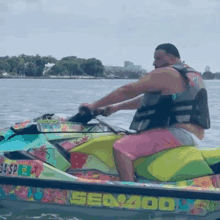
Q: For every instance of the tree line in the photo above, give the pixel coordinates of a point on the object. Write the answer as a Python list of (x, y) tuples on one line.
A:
[(210, 75), (34, 66)]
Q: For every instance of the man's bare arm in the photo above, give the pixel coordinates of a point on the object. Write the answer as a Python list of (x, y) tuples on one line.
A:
[(132, 104), (162, 79)]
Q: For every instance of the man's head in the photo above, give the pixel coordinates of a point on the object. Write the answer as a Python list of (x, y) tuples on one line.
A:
[(165, 55)]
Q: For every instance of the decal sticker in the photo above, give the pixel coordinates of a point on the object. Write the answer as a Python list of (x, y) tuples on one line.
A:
[(123, 201), (48, 121), (8, 169), (24, 170)]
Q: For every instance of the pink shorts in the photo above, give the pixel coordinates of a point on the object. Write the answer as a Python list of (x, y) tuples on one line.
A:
[(150, 142)]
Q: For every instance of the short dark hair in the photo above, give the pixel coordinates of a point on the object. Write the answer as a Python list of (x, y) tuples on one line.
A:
[(169, 48)]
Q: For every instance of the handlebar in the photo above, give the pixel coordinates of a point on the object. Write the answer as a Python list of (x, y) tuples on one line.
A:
[(85, 115), (85, 110)]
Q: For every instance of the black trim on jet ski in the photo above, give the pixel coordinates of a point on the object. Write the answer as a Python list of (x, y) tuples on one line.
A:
[(151, 190)]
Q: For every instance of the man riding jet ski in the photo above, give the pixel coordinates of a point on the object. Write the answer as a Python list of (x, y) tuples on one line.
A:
[(172, 110)]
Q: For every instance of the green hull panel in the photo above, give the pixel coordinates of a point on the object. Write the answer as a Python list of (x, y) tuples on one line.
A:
[(101, 147), (173, 165)]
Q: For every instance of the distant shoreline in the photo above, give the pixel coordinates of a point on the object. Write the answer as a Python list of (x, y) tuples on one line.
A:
[(79, 77)]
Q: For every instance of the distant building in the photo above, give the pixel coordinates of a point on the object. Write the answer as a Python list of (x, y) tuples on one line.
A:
[(131, 66), (47, 67), (207, 69), (128, 63), (128, 71), (5, 74), (134, 67)]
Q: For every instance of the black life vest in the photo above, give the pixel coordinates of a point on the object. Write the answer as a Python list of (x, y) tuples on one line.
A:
[(189, 106)]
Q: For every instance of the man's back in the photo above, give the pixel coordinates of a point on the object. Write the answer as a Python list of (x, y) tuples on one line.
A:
[(169, 81)]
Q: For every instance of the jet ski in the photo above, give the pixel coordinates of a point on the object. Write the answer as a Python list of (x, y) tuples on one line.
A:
[(66, 164)]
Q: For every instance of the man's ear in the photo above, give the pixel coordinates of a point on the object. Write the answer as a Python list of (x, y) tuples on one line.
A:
[(173, 59)]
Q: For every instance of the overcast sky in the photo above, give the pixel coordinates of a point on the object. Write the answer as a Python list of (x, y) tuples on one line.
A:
[(112, 30)]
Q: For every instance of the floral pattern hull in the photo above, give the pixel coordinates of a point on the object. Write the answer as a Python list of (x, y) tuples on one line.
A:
[(159, 205), (60, 170)]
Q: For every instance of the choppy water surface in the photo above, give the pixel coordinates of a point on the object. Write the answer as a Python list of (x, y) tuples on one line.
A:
[(28, 98)]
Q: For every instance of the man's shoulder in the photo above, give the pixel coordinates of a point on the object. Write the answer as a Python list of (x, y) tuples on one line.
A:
[(168, 70), (164, 79)]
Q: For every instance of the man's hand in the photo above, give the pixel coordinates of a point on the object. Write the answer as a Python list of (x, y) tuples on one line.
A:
[(87, 105), (106, 111)]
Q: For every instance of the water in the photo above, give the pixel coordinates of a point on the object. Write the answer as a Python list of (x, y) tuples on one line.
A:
[(22, 99)]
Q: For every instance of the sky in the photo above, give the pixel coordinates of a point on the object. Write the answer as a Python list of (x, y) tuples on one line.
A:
[(112, 31)]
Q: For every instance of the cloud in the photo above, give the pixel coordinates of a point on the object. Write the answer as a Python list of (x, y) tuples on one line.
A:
[(114, 31), (17, 6), (62, 9), (32, 1), (21, 6), (194, 4), (129, 22), (3, 7), (179, 3)]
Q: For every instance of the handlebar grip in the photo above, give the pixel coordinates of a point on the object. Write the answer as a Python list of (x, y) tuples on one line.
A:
[(99, 112), (85, 110)]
